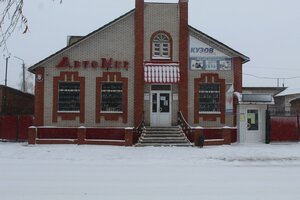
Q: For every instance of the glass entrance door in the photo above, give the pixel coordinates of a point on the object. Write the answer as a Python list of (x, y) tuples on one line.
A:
[(160, 108)]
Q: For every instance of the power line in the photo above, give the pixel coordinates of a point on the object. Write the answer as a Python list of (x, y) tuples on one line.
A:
[(273, 78)]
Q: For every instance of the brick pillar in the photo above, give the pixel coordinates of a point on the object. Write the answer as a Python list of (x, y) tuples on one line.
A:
[(183, 56), (39, 97), (198, 134), (81, 135), (128, 136), (238, 74), (139, 62), (237, 84), (32, 134), (226, 132)]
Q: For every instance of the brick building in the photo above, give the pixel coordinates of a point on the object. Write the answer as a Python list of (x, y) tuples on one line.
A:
[(15, 102), (147, 65)]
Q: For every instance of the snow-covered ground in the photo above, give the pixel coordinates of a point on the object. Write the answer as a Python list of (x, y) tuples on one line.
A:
[(71, 172)]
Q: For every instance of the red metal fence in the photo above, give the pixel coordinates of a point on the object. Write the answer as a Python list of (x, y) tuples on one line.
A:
[(15, 127), (281, 127), (284, 128)]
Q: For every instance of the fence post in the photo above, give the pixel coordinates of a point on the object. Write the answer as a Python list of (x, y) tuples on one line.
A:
[(128, 136), (226, 135), (198, 136), (32, 134), (268, 127), (17, 128), (81, 135)]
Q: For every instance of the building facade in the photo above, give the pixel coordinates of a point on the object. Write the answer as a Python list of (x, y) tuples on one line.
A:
[(147, 65), (15, 102)]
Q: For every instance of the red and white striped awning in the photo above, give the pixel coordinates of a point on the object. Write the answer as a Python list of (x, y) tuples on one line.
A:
[(161, 73)]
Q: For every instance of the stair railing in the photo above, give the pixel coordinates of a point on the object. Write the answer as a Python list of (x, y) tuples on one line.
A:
[(141, 126), (186, 128)]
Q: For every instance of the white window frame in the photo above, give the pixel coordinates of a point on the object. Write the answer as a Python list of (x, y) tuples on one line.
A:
[(161, 46)]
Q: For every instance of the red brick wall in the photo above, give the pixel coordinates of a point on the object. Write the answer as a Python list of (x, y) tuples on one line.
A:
[(17, 102), (238, 83), (238, 74), (111, 116), (183, 57), (139, 62), (66, 115), (209, 78), (39, 97)]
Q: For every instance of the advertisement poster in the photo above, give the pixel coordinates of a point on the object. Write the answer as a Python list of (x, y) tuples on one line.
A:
[(205, 57)]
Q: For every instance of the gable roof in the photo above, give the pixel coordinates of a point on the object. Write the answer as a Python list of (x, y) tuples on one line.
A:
[(220, 44), (212, 40), (32, 68)]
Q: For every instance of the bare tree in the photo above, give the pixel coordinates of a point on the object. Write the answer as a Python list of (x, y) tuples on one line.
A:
[(10, 17)]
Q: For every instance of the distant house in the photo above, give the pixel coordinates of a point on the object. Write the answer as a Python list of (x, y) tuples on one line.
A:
[(13, 101), (286, 100)]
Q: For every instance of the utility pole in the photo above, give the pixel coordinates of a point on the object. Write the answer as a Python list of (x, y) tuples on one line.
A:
[(6, 64), (4, 98), (23, 68)]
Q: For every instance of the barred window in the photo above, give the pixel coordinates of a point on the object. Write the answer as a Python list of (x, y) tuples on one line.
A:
[(69, 96), (112, 97), (209, 100), (161, 46)]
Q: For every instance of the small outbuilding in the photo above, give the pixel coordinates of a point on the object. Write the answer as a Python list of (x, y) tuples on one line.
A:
[(251, 121)]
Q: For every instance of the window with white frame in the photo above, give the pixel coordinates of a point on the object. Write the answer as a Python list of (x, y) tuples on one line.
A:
[(209, 101), (161, 46), (111, 97), (69, 96)]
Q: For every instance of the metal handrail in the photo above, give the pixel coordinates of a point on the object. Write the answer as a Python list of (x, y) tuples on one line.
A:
[(139, 129), (187, 129)]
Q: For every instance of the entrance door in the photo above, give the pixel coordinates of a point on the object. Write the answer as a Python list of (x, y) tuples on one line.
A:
[(160, 108), (254, 126)]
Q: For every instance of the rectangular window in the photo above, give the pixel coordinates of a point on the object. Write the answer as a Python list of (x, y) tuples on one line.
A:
[(112, 97), (252, 120), (69, 96), (209, 97), (161, 50)]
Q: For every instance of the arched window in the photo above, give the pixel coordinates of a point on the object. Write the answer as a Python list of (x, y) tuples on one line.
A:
[(161, 45)]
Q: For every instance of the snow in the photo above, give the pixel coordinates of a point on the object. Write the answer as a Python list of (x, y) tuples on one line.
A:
[(60, 172)]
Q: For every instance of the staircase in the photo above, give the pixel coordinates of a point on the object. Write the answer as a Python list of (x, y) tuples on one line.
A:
[(163, 136)]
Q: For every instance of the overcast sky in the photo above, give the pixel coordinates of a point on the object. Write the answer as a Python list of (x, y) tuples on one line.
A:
[(267, 31)]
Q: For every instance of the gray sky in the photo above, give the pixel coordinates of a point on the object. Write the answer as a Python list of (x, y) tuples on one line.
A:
[(267, 31)]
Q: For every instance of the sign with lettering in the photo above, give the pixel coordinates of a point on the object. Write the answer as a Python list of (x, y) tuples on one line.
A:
[(205, 57), (104, 64)]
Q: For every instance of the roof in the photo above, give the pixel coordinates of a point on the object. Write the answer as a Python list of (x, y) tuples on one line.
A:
[(275, 90), (212, 40), (288, 92), (222, 45), (260, 99), (32, 68)]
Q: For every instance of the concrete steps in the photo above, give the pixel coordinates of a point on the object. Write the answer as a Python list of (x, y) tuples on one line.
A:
[(163, 136)]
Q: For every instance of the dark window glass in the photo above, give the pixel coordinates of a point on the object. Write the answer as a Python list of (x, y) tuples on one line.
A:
[(252, 120), (69, 96), (209, 100), (112, 97)]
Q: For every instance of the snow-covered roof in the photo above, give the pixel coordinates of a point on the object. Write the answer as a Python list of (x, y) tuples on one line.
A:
[(254, 98), (289, 91)]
